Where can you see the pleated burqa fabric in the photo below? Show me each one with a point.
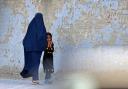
(34, 43)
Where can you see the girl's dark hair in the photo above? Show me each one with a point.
(48, 33)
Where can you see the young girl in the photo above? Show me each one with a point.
(48, 58)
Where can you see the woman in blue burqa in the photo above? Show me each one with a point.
(34, 43)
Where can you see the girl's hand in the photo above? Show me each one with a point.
(49, 44)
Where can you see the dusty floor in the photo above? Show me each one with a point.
(72, 81)
(26, 84)
(59, 81)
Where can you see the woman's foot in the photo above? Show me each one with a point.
(35, 82)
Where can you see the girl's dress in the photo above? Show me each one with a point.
(48, 61)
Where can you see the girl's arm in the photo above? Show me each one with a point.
(52, 48)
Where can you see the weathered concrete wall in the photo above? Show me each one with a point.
(89, 35)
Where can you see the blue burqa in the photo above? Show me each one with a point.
(34, 43)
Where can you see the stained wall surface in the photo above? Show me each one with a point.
(89, 35)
